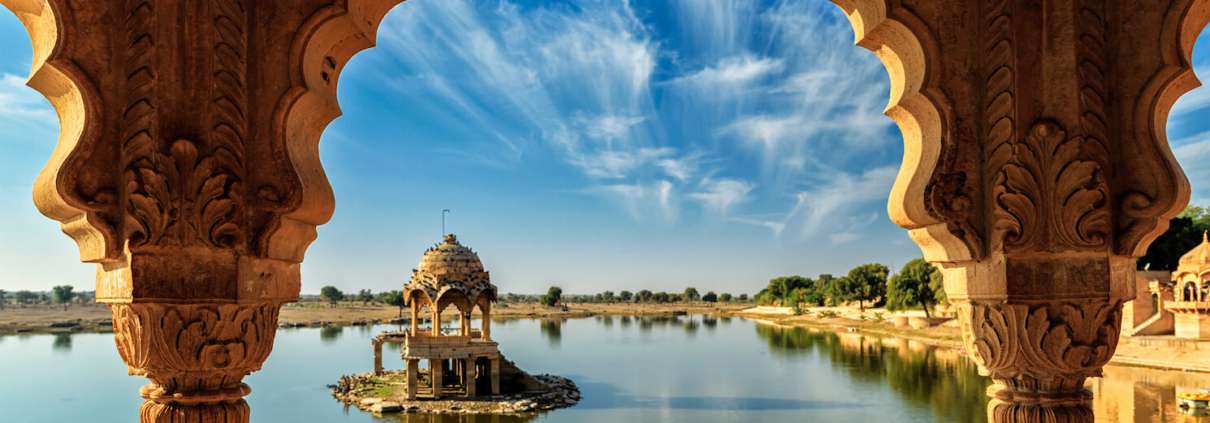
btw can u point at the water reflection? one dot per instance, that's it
(330, 334)
(454, 418)
(1130, 394)
(605, 396)
(62, 343)
(552, 330)
(948, 383)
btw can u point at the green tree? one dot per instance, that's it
(830, 289)
(63, 295)
(331, 294)
(691, 294)
(724, 297)
(1184, 232)
(644, 296)
(553, 296)
(710, 297)
(392, 298)
(25, 297)
(866, 282)
(365, 296)
(913, 287)
(625, 296)
(3, 298)
(661, 297)
(608, 297)
(743, 298)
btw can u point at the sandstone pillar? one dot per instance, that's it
(377, 356)
(487, 322)
(187, 170)
(468, 378)
(436, 375)
(495, 375)
(415, 318)
(1035, 171)
(413, 378)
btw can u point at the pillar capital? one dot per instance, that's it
(187, 169)
(1036, 170)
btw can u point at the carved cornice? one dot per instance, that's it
(322, 46)
(929, 198)
(129, 172)
(1150, 201)
(960, 191)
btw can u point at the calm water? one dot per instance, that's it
(687, 369)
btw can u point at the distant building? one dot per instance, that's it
(461, 360)
(1173, 303)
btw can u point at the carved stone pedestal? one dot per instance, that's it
(196, 356)
(1039, 355)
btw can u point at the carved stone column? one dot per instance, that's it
(187, 170)
(1036, 169)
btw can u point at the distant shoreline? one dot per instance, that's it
(96, 318)
(1164, 353)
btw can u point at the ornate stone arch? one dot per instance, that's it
(233, 192)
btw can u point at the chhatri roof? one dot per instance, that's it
(451, 266)
(1198, 256)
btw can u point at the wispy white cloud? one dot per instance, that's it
(775, 226)
(1193, 153)
(1194, 101)
(634, 112)
(21, 105)
(731, 72)
(720, 195)
(642, 200)
(824, 206)
(609, 127)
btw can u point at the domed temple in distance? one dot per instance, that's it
(463, 364)
(1173, 303)
(451, 274)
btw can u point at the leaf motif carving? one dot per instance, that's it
(1048, 197)
(1043, 341)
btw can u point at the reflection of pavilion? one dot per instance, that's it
(463, 359)
(1173, 303)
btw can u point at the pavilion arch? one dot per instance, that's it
(1018, 242)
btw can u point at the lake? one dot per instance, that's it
(674, 369)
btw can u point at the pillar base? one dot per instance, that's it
(1013, 406)
(226, 412)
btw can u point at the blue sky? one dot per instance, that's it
(590, 144)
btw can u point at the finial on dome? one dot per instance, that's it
(451, 239)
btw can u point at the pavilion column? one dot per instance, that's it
(436, 366)
(1036, 169)
(377, 356)
(415, 317)
(436, 329)
(468, 379)
(487, 322)
(413, 378)
(187, 170)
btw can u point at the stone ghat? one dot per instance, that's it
(384, 394)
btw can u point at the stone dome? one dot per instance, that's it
(1198, 256)
(451, 266)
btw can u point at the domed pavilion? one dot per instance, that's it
(462, 359)
(1192, 285)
